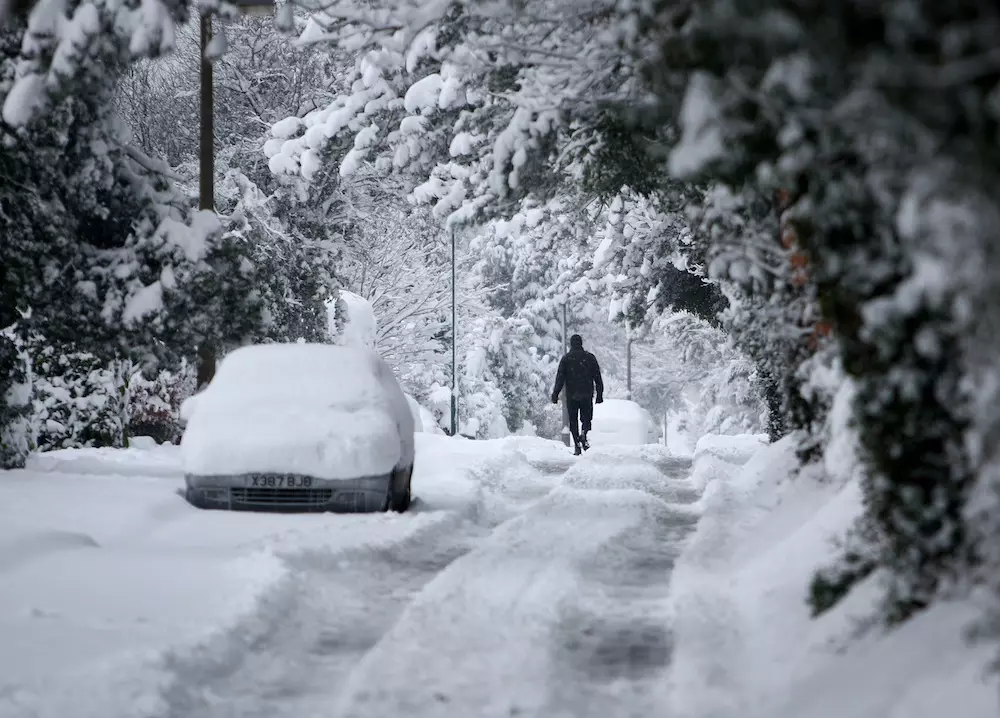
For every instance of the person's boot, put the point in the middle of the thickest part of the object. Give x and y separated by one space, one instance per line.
584 442
576 449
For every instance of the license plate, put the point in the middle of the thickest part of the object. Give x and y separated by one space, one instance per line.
272 481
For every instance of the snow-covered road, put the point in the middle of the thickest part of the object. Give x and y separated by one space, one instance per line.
524 582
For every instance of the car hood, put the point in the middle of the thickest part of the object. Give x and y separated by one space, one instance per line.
327 442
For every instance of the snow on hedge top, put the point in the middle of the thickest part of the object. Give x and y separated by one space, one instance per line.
312 409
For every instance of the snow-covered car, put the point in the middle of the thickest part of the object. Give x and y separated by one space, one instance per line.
300 427
621 421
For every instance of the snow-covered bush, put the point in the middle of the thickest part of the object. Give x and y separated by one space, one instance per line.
121 264
155 403
17 435
78 400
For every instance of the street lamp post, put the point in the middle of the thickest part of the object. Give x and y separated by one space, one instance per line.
206 149
454 344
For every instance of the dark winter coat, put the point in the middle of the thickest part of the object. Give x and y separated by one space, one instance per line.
581 374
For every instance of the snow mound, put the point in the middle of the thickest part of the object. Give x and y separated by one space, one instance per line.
312 409
488 481
620 421
735 449
745 642
162 460
716 457
423 418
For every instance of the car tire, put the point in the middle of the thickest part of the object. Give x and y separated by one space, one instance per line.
192 497
399 490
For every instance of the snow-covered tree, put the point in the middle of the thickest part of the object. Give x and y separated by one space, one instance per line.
100 249
400 262
154 404
878 121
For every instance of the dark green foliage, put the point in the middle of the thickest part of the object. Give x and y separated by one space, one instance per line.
686 292
16 436
90 225
79 400
617 156
832 584
869 95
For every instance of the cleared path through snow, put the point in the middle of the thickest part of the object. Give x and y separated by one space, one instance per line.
534 586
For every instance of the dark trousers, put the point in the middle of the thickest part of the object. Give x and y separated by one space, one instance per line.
581 411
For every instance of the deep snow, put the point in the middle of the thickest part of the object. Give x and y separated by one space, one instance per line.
524 582
746 644
513 585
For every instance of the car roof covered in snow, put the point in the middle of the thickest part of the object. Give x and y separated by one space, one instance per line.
314 409
300 373
621 410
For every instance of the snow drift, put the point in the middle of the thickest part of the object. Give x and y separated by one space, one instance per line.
620 421
746 643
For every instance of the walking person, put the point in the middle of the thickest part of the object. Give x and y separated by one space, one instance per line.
580 374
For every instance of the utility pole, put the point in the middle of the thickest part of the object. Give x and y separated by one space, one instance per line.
206 174
208 351
565 403
206 155
454 344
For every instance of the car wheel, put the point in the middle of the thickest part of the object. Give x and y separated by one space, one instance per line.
398 498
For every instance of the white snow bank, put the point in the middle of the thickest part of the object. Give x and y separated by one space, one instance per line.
734 449
745 642
620 421
489 480
160 460
312 409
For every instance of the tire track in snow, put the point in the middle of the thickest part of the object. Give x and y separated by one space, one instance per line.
475 641
291 654
615 641
560 612
567 583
